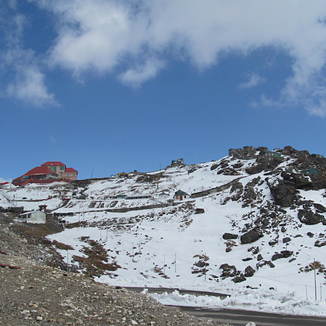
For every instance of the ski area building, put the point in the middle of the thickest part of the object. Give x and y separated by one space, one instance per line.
47 173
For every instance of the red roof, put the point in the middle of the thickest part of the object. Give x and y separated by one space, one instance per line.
39 171
53 164
70 170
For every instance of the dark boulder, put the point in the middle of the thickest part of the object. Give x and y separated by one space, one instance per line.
230 236
239 278
282 254
299 181
259 257
273 242
249 271
251 236
320 243
254 250
306 216
257 168
228 270
283 194
214 166
320 208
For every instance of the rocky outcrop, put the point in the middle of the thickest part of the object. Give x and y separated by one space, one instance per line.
245 153
283 194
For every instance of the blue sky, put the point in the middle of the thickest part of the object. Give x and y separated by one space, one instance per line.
107 87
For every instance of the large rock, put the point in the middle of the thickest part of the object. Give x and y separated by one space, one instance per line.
306 216
284 194
320 243
297 180
251 236
282 254
249 271
239 278
230 236
228 270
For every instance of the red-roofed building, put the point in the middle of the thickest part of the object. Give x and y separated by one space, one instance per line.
57 167
71 173
47 173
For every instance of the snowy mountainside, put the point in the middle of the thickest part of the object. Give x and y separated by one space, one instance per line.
253 220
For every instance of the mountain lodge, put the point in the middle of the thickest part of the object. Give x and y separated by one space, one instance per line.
47 173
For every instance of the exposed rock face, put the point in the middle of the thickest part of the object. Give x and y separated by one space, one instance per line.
251 236
284 194
245 153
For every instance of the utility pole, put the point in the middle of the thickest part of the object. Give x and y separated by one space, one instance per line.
67 261
315 280
175 263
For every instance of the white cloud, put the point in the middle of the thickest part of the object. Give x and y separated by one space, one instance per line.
252 81
136 76
29 87
25 80
99 35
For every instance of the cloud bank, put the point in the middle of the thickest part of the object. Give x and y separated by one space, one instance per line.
135 39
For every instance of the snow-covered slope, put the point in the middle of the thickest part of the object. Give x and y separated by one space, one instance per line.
254 220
